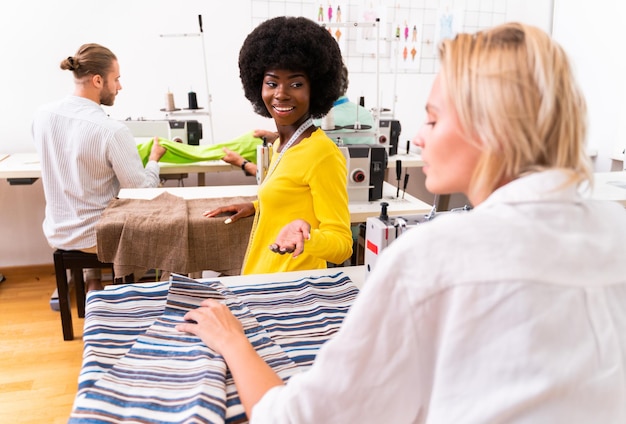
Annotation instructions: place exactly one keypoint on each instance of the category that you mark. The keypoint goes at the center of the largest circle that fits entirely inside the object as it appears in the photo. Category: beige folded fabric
(170, 234)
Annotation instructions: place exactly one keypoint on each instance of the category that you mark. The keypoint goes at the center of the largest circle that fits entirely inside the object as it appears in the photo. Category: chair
(75, 261)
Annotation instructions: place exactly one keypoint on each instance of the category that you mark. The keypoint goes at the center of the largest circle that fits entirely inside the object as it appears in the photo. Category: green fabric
(245, 145)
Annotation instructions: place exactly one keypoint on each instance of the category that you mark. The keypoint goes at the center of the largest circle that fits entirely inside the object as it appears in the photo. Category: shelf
(198, 111)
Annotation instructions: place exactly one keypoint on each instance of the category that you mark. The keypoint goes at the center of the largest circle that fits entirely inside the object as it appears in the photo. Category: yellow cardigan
(310, 183)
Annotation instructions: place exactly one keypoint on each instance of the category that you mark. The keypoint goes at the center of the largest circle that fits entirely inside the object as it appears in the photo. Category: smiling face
(450, 159)
(286, 95)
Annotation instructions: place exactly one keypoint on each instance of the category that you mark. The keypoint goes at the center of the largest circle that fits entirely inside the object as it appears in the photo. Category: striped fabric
(138, 368)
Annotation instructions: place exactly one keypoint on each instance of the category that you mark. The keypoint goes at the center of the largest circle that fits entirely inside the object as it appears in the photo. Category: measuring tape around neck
(301, 129)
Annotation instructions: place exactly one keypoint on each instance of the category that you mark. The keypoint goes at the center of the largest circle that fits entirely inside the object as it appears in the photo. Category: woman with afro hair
(290, 68)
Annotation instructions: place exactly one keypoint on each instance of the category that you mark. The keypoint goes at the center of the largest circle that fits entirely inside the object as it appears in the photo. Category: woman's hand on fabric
(270, 136)
(232, 157)
(215, 324)
(291, 238)
(221, 331)
(237, 211)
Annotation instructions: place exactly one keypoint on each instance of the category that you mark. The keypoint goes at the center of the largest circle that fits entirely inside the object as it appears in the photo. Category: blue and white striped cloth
(138, 368)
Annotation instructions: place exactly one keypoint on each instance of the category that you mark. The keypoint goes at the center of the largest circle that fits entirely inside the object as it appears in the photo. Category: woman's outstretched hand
(238, 211)
(291, 238)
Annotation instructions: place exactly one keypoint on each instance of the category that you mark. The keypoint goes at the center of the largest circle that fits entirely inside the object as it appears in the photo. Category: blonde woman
(510, 313)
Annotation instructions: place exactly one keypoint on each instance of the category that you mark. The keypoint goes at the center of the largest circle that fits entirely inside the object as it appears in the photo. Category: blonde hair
(515, 94)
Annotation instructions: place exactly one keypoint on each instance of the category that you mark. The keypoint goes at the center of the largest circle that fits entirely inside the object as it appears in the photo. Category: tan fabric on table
(169, 233)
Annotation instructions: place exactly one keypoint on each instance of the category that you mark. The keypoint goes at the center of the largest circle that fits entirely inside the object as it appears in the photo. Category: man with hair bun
(87, 157)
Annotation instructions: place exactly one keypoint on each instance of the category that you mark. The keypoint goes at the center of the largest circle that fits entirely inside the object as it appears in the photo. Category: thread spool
(193, 100)
(169, 102)
(328, 122)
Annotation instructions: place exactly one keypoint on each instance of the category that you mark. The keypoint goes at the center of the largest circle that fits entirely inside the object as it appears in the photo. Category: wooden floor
(38, 370)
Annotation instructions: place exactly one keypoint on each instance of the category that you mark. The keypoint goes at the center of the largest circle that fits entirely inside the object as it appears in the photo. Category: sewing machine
(186, 132)
(389, 134)
(366, 165)
(366, 171)
(382, 230)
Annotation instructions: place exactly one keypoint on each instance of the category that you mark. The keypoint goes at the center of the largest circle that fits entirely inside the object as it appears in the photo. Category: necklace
(303, 127)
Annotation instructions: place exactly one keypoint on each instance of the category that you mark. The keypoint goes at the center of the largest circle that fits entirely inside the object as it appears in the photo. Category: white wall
(45, 32)
(592, 33)
(37, 34)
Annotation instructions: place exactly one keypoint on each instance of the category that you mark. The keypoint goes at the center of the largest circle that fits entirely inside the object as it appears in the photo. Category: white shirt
(514, 312)
(86, 158)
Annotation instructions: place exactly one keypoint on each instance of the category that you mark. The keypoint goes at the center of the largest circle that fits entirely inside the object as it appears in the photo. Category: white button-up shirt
(86, 158)
(514, 312)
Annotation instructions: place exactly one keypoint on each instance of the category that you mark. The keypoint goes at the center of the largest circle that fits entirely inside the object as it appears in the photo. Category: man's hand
(157, 151)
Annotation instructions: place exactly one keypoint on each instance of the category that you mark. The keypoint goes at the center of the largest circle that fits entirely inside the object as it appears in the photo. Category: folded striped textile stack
(138, 368)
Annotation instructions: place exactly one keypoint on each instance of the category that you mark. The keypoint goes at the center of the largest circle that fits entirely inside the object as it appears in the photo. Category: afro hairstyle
(295, 44)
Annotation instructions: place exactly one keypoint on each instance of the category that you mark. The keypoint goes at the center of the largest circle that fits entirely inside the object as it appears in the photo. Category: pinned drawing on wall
(449, 23)
(330, 16)
(330, 13)
(369, 36)
(406, 46)
(409, 31)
